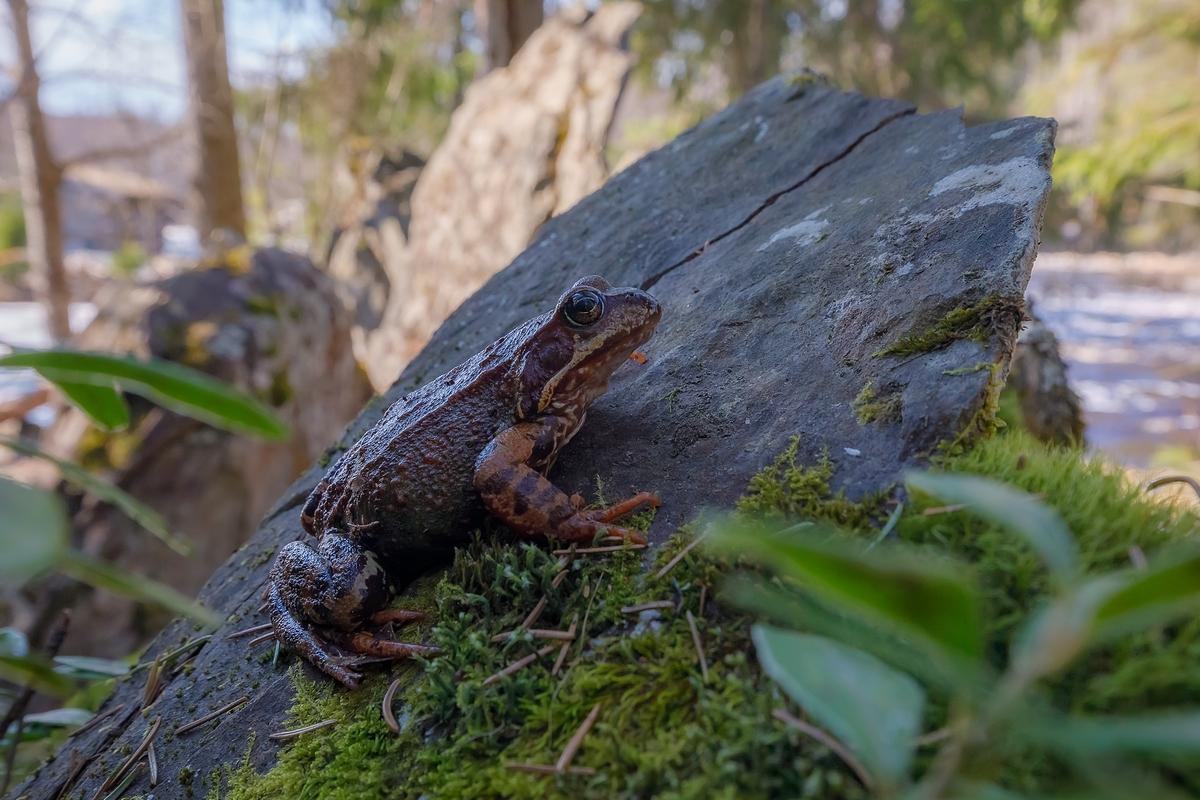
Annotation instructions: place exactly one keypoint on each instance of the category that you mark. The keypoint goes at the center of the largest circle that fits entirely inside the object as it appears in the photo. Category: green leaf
(33, 532)
(60, 717)
(104, 405)
(35, 671)
(1010, 508)
(873, 709)
(133, 508)
(13, 642)
(1166, 589)
(1164, 734)
(104, 576)
(89, 668)
(916, 596)
(173, 386)
(797, 610)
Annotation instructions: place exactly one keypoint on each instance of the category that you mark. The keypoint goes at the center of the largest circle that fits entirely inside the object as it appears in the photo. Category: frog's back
(406, 484)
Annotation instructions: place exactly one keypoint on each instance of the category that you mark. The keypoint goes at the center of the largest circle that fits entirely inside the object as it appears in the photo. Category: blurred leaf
(33, 532)
(104, 405)
(88, 668)
(1055, 634)
(1010, 508)
(133, 508)
(872, 708)
(35, 671)
(1169, 733)
(173, 386)
(1168, 587)
(798, 610)
(887, 585)
(60, 717)
(13, 643)
(104, 576)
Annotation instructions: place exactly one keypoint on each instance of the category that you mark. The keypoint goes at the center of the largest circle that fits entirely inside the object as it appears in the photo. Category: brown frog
(477, 440)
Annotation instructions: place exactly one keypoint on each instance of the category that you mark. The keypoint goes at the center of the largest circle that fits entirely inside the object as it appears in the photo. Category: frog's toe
(626, 507)
(401, 616)
(371, 645)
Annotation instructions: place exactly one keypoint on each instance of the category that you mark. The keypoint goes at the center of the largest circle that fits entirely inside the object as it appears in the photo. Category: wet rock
(805, 243)
(1049, 406)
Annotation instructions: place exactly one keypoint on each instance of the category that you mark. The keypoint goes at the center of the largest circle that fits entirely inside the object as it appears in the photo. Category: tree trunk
(40, 178)
(504, 25)
(218, 179)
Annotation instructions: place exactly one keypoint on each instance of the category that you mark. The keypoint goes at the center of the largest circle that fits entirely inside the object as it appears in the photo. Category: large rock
(794, 240)
(266, 322)
(527, 143)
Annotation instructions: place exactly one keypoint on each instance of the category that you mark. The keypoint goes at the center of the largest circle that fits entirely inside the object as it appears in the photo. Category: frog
(474, 443)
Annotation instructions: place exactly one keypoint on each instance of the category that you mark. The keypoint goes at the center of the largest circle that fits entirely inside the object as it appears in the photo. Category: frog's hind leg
(337, 586)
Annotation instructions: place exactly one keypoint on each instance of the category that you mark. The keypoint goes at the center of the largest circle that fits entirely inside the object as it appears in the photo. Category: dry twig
(225, 709)
(670, 565)
(640, 607)
(292, 734)
(518, 665)
(691, 621)
(833, 744)
(609, 549)
(128, 764)
(389, 714)
(266, 626)
(568, 753)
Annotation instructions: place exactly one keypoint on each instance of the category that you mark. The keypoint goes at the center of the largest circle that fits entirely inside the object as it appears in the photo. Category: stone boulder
(831, 267)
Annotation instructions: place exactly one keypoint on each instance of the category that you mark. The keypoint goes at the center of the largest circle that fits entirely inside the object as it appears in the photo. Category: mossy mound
(663, 730)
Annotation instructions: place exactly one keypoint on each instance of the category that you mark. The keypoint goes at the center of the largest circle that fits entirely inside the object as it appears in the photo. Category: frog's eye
(583, 307)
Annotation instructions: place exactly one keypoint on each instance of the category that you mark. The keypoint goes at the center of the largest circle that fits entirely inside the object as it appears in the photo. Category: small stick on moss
(568, 753)
(833, 744)
(562, 651)
(537, 633)
(587, 551)
(292, 734)
(670, 565)
(548, 769)
(691, 621)
(1169, 479)
(640, 607)
(262, 608)
(936, 510)
(389, 697)
(533, 615)
(266, 626)
(703, 597)
(265, 637)
(73, 776)
(933, 737)
(134, 757)
(152, 763)
(558, 579)
(196, 723)
(518, 665)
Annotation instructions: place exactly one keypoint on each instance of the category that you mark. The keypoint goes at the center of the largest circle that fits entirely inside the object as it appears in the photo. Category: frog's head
(575, 349)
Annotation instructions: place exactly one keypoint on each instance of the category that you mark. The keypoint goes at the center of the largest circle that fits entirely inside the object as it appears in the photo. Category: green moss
(788, 489)
(662, 730)
(977, 322)
(263, 304)
(983, 423)
(280, 391)
(870, 406)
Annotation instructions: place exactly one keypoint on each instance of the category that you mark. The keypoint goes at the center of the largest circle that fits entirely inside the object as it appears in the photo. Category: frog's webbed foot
(321, 599)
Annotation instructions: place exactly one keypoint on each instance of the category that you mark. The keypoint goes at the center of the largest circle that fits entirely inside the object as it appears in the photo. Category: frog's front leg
(338, 587)
(528, 502)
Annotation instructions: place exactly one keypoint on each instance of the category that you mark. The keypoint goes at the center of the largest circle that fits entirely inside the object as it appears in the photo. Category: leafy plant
(866, 690)
(34, 526)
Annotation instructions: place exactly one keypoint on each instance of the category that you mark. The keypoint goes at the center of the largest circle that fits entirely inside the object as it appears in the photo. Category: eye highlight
(583, 307)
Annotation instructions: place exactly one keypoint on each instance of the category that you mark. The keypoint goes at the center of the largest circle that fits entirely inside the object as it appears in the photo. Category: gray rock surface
(790, 239)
